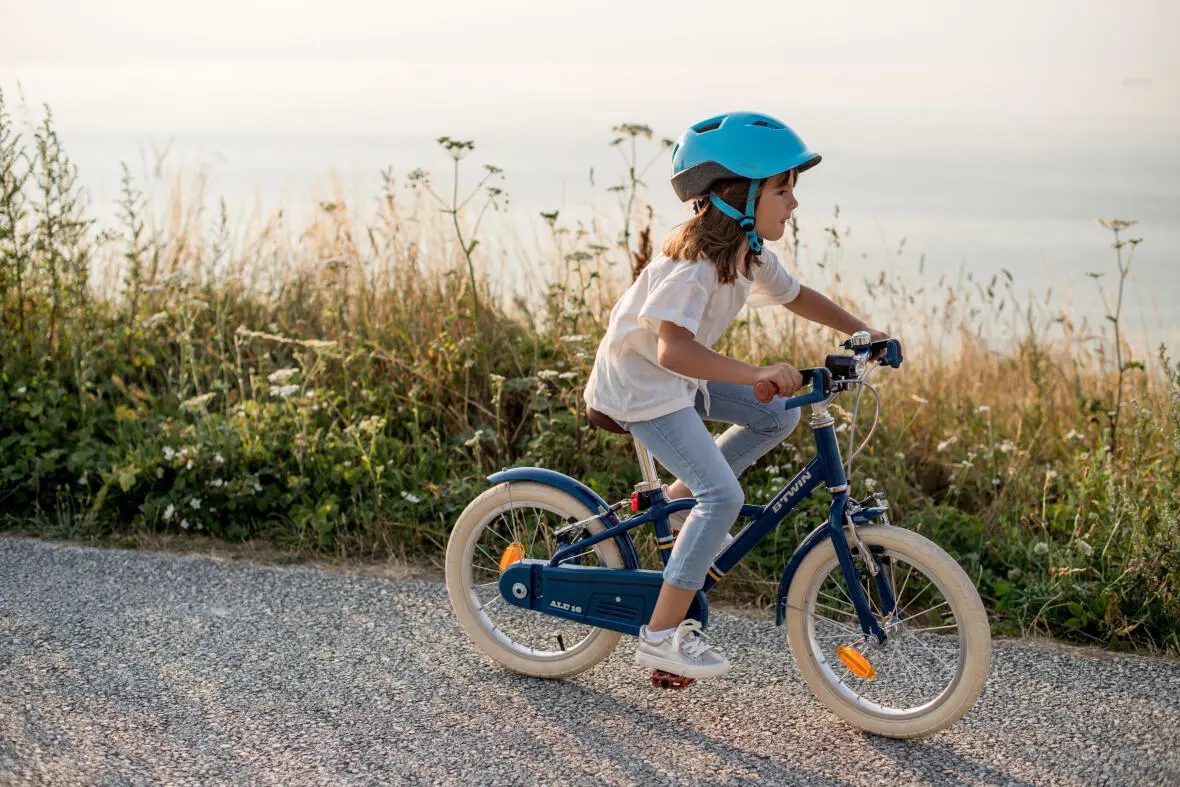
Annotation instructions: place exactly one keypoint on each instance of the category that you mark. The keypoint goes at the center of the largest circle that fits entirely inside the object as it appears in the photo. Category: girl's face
(775, 206)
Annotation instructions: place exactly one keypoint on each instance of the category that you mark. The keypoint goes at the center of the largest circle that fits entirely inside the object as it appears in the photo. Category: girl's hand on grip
(779, 379)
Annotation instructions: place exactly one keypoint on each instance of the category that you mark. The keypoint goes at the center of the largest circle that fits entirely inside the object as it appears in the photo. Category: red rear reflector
(634, 501)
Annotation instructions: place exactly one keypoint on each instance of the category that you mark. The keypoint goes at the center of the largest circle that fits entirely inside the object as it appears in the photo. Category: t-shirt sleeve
(679, 298)
(772, 285)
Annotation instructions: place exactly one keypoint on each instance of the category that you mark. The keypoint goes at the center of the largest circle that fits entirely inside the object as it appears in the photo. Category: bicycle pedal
(668, 680)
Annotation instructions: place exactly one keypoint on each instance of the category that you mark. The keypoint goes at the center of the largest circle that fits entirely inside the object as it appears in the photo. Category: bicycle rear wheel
(508, 522)
(935, 660)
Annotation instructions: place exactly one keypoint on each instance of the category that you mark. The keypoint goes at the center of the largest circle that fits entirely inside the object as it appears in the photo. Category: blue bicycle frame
(825, 468)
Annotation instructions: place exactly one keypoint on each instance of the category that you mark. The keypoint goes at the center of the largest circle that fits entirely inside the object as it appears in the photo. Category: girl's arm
(679, 351)
(811, 305)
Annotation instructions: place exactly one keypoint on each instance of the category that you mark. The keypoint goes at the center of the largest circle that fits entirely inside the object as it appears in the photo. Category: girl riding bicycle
(655, 375)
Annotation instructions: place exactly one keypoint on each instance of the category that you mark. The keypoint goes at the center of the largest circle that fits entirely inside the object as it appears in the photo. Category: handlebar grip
(892, 356)
(764, 391)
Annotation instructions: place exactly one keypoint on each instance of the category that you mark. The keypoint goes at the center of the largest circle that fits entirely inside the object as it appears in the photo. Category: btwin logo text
(792, 489)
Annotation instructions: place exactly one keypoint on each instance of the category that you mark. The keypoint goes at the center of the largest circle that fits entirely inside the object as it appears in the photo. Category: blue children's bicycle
(887, 629)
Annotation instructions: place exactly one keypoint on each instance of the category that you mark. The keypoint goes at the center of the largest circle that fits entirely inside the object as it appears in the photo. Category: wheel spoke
(925, 611)
(933, 628)
(857, 632)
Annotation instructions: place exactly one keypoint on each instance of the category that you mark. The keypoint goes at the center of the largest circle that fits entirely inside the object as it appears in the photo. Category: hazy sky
(1135, 36)
(1070, 53)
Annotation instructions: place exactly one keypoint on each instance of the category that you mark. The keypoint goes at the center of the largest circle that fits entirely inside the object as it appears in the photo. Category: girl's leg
(681, 443)
(757, 427)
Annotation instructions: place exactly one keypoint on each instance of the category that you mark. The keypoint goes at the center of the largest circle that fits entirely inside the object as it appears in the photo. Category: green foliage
(354, 397)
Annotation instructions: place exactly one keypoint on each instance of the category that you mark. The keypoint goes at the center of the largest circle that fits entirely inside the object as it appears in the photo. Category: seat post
(647, 465)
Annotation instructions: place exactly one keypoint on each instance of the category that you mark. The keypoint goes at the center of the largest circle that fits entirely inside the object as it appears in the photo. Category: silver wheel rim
(923, 658)
(509, 625)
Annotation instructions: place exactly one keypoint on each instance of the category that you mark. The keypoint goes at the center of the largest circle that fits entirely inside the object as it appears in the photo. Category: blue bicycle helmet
(736, 145)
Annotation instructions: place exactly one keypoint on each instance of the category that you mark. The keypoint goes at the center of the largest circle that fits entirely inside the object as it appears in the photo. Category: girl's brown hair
(712, 235)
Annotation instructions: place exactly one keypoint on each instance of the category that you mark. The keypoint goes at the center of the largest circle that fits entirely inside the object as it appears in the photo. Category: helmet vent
(702, 128)
(765, 124)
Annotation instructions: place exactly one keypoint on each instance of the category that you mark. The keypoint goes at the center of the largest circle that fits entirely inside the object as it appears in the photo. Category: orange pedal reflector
(513, 553)
(856, 662)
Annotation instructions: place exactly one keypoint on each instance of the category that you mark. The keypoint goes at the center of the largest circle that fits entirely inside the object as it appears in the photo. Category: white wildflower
(169, 512)
(1050, 475)
(284, 391)
(1085, 548)
(966, 465)
(257, 487)
(197, 402)
(773, 470)
(282, 375)
(547, 374)
(983, 408)
(188, 465)
(1007, 446)
(219, 459)
(84, 480)
(217, 483)
(371, 425)
(1041, 548)
(184, 523)
(995, 482)
(1072, 434)
(159, 472)
(778, 480)
(194, 503)
(942, 446)
(154, 320)
(870, 483)
(169, 453)
(919, 399)
(581, 354)
(412, 498)
(497, 379)
(479, 436)
(574, 337)
(1116, 224)
(568, 376)
(22, 389)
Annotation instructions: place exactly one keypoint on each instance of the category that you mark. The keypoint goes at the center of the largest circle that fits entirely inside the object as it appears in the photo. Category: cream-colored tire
(525, 641)
(928, 674)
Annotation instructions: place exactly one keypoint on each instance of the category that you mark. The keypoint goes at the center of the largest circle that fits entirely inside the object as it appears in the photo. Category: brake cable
(861, 386)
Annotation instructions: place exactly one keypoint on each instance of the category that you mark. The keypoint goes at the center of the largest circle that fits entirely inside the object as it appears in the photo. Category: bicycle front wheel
(932, 667)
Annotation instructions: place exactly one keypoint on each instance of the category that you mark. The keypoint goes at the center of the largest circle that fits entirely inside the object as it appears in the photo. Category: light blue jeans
(710, 468)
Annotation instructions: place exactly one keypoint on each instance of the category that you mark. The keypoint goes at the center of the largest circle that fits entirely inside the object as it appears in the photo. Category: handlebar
(821, 388)
(891, 347)
(821, 377)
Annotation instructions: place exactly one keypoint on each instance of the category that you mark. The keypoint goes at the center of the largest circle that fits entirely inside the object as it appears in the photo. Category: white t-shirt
(627, 382)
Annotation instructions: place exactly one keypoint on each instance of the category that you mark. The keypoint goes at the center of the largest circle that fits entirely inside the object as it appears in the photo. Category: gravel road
(122, 667)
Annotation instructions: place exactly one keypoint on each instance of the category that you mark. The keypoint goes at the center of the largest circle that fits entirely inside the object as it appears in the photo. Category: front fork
(841, 528)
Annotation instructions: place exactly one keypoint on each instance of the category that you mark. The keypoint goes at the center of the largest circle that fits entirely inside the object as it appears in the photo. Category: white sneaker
(682, 653)
(676, 521)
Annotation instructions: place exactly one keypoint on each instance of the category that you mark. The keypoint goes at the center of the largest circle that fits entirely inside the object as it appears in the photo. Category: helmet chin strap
(744, 220)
